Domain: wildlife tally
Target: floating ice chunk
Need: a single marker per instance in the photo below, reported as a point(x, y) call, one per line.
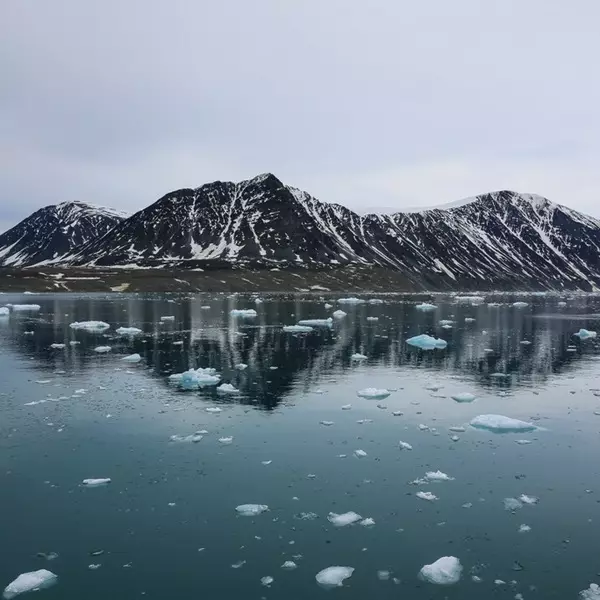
point(525, 529)
point(289, 565)
point(193, 379)
point(226, 440)
point(334, 576)
point(357, 356)
point(96, 482)
point(499, 375)
point(360, 453)
point(501, 424)
point(525, 499)
point(375, 301)
point(339, 314)
point(425, 307)
point(584, 334)
point(520, 304)
point(561, 304)
point(102, 349)
point(193, 438)
point(26, 307)
point(241, 366)
point(525, 343)
point(423, 427)
point(30, 582)
point(266, 462)
point(469, 299)
point(251, 510)
point(351, 300)
point(433, 387)
point(213, 409)
point(592, 593)
point(92, 326)
point(167, 318)
point(444, 322)
point(326, 423)
point(128, 331)
point(227, 388)
point(258, 300)
point(404, 446)
point(267, 580)
point(328, 306)
point(426, 342)
point(74, 343)
point(469, 320)
point(373, 393)
point(344, 519)
point(372, 319)
point(4, 311)
point(444, 571)
point(316, 322)
point(426, 496)
point(245, 313)
point(457, 429)
point(132, 358)
point(57, 346)
point(437, 476)
point(347, 407)
point(368, 522)
point(512, 504)
point(397, 413)
point(297, 329)
point(523, 442)
point(463, 397)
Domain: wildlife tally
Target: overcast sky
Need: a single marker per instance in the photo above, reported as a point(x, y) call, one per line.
point(376, 104)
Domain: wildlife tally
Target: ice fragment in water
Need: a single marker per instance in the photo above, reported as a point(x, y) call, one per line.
point(241, 366)
point(351, 301)
point(584, 334)
point(512, 504)
point(524, 528)
point(227, 388)
point(404, 446)
point(525, 499)
point(57, 346)
point(289, 565)
point(457, 429)
point(194, 438)
point(328, 306)
point(425, 307)
point(326, 423)
point(426, 496)
point(30, 582)
point(316, 322)
point(213, 409)
point(132, 358)
point(372, 319)
point(102, 349)
point(360, 453)
point(245, 313)
point(520, 304)
point(251, 510)
point(501, 424)
point(92, 326)
point(373, 393)
point(167, 318)
point(426, 342)
point(128, 331)
point(444, 571)
point(463, 397)
point(347, 407)
point(26, 307)
point(266, 462)
point(358, 356)
point(375, 301)
point(423, 427)
point(226, 440)
point(437, 476)
point(297, 329)
point(4, 311)
point(334, 576)
point(268, 580)
point(368, 522)
point(469, 320)
point(343, 519)
point(96, 482)
point(194, 379)
point(525, 343)
point(592, 593)
point(339, 314)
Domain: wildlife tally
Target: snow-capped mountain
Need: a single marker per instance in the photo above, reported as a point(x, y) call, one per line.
point(51, 233)
point(497, 240)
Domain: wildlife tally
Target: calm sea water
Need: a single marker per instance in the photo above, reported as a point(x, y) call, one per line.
point(166, 526)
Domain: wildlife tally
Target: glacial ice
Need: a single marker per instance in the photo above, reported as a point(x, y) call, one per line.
point(29, 582)
point(360, 453)
point(297, 329)
point(167, 318)
point(334, 576)
point(444, 571)
point(426, 496)
point(501, 424)
point(426, 342)
point(592, 593)
point(339, 314)
point(404, 446)
point(96, 482)
point(26, 307)
point(525, 499)
point(102, 349)
point(192, 438)
point(357, 356)
point(195, 378)
point(520, 304)
point(57, 346)
point(251, 510)
point(91, 326)
point(245, 313)
point(128, 331)
point(425, 307)
point(368, 522)
point(227, 388)
point(373, 393)
point(351, 300)
point(4, 311)
point(341, 520)
point(375, 301)
point(267, 580)
point(226, 441)
point(437, 476)
point(512, 504)
point(289, 565)
point(241, 366)
point(132, 358)
point(584, 334)
point(316, 322)
point(463, 397)
point(524, 528)
point(213, 409)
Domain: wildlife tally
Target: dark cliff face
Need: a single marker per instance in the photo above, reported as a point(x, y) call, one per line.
point(504, 238)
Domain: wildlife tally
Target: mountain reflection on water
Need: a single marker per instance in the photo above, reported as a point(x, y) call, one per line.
point(528, 345)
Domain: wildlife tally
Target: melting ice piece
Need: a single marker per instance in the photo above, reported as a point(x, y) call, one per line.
point(358, 357)
point(360, 453)
point(469, 320)
point(463, 397)
point(334, 576)
point(328, 306)
point(241, 366)
point(343, 519)
point(96, 482)
point(339, 314)
point(326, 423)
point(444, 571)
point(316, 322)
point(128, 331)
point(404, 446)
point(29, 582)
point(426, 496)
point(368, 522)
point(57, 346)
point(26, 307)
point(92, 326)
point(520, 304)
point(426, 342)
point(437, 476)
point(245, 313)
point(167, 318)
point(375, 301)
point(584, 334)
point(102, 349)
point(226, 440)
point(132, 358)
point(251, 510)
point(4, 311)
point(289, 565)
point(524, 528)
point(373, 393)
point(227, 388)
point(592, 593)
point(267, 580)
point(194, 438)
point(425, 307)
point(193, 379)
point(525, 499)
point(351, 300)
point(297, 329)
point(501, 424)
point(512, 504)
point(213, 409)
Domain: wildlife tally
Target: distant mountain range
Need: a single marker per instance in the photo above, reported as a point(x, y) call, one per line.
point(502, 239)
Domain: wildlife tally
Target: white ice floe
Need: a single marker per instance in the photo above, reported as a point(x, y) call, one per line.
point(444, 571)
point(92, 326)
point(213, 409)
point(245, 313)
point(341, 520)
point(196, 378)
point(592, 593)
point(360, 453)
point(226, 440)
point(192, 438)
point(404, 446)
point(327, 423)
point(357, 356)
point(351, 300)
point(585, 334)
point(57, 346)
point(334, 576)
point(373, 393)
point(426, 342)
point(289, 565)
point(463, 397)
point(423, 427)
point(457, 429)
point(96, 482)
point(132, 358)
point(368, 522)
point(525, 343)
point(251, 510)
point(425, 307)
point(469, 320)
point(524, 528)
point(437, 476)
point(227, 388)
point(339, 314)
point(520, 304)
point(26, 307)
point(328, 306)
point(347, 407)
point(523, 442)
point(426, 496)
point(102, 349)
point(297, 329)
point(372, 319)
point(501, 424)
point(29, 582)
point(512, 504)
point(128, 331)
point(266, 581)
point(4, 311)
point(375, 301)
point(316, 322)
point(167, 318)
point(241, 366)
point(525, 499)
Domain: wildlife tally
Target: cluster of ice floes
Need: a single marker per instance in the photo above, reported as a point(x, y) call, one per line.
point(592, 593)
point(195, 378)
point(426, 342)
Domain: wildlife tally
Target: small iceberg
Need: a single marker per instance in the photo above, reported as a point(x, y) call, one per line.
point(358, 357)
point(132, 358)
point(316, 322)
point(525, 499)
point(524, 529)
point(96, 482)
point(226, 441)
point(375, 301)
point(592, 593)
point(351, 301)
point(241, 366)
point(227, 388)
point(194, 379)
point(404, 446)
point(584, 334)
point(463, 397)
point(193, 438)
point(520, 304)
point(501, 424)
point(102, 349)
point(444, 571)
point(425, 307)
point(372, 319)
point(437, 476)
point(4, 311)
point(426, 342)
point(245, 313)
point(30, 582)
point(267, 580)
point(289, 565)
point(426, 496)
point(332, 577)
point(251, 510)
point(512, 504)
point(368, 522)
point(373, 393)
point(343, 519)
point(128, 331)
point(26, 307)
point(213, 409)
point(360, 453)
point(91, 326)
point(57, 346)
point(339, 314)
point(297, 329)
point(166, 318)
